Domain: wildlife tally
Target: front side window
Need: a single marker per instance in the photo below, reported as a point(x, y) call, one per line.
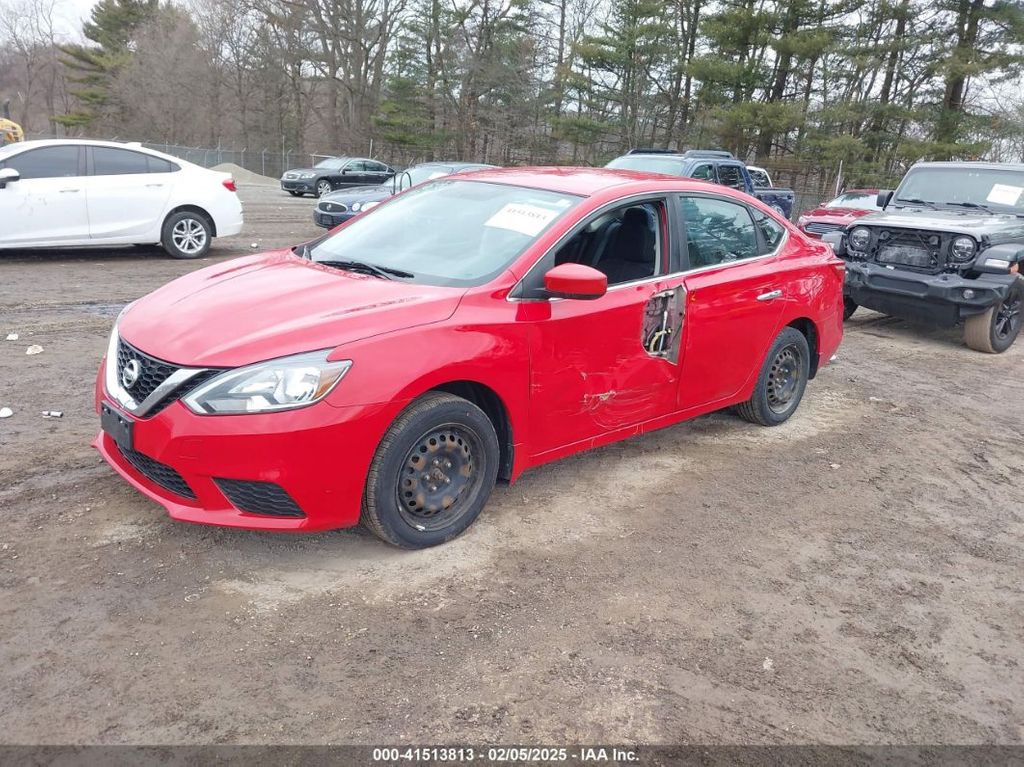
point(47, 162)
point(731, 176)
point(447, 232)
point(705, 172)
point(357, 166)
point(624, 244)
point(717, 231)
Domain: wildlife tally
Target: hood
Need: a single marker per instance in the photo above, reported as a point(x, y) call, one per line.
point(362, 194)
point(999, 227)
point(272, 305)
point(302, 170)
point(836, 215)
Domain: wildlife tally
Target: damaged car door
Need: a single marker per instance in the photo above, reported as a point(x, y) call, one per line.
point(600, 365)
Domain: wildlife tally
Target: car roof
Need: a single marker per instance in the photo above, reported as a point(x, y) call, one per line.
point(586, 182)
point(972, 164)
point(36, 143)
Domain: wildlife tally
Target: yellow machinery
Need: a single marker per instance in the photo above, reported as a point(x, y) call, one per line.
point(10, 131)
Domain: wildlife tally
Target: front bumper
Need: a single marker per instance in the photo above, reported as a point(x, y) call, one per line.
point(331, 220)
point(318, 455)
point(298, 185)
point(933, 298)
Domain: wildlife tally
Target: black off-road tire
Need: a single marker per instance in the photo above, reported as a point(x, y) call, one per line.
point(187, 234)
point(849, 307)
point(995, 330)
point(781, 383)
point(439, 441)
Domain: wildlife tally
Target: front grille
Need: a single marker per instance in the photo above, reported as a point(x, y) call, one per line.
point(821, 227)
point(259, 497)
point(158, 473)
point(333, 207)
point(152, 372)
point(179, 392)
point(908, 247)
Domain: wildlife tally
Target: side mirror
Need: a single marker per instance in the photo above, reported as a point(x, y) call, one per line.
point(883, 198)
point(8, 176)
point(835, 239)
point(575, 281)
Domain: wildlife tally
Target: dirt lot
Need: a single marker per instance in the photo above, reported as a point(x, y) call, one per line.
point(854, 576)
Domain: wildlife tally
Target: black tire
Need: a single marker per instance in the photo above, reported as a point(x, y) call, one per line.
point(323, 186)
point(781, 383)
point(438, 446)
point(995, 330)
point(294, 194)
point(187, 234)
point(849, 307)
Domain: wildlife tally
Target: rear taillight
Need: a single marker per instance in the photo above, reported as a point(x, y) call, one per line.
point(229, 184)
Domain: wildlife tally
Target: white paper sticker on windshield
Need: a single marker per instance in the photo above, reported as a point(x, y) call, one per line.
point(521, 217)
point(1004, 194)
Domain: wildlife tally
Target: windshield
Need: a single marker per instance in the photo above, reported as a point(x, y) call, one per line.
point(672, 166)
point(856, 200)
point(333, 163)
point(965, 186)
point(421, 173)
point(448, 232)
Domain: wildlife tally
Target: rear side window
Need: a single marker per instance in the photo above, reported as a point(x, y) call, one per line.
point(730, 175)
point(771, 230)
point(122, 162)
point(47, 162)
point(717, 231)
point(377, 167)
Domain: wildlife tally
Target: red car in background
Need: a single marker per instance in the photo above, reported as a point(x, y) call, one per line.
point(462, 332)
point(836, 214)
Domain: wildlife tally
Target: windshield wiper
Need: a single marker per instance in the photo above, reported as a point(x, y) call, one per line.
point(915, 201)
point(384, 272)
point(977, 205)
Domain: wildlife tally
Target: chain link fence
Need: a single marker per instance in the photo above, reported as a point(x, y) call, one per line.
point(271, 163)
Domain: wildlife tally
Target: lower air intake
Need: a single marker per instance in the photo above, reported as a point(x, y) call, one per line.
point(259, 498)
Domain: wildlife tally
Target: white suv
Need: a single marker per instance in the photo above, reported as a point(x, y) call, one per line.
point(72, 193)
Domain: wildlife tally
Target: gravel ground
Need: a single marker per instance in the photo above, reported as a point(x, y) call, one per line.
point(851, 577)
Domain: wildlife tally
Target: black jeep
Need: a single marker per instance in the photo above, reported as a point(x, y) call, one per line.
point(946, 248)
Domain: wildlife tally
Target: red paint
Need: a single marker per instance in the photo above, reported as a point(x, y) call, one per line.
point(571, 374)
point(840, 217)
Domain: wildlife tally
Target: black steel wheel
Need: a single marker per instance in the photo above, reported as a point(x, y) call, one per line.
point(782, 381)
point(432, 472)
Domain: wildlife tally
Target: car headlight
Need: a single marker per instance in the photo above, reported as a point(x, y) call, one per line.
point(306, 175)
point(356, 207)
point(282, 384)
point(860, 238)
point(963, 248)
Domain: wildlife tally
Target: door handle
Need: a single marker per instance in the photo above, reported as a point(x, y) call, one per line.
point(771, 296)
point(68, 191)
point(154, 186)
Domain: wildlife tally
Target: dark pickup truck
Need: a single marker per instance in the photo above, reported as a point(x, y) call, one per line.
point(946, 248)
point(713, 165)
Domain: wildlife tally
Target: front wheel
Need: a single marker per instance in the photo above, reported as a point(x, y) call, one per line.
point(782, 381)
point(323, 187)
point(994, 330)
point(432, 473)
point(186, 234)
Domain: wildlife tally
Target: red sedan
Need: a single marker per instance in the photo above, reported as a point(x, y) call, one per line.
point(460, 333)
point(837, 214)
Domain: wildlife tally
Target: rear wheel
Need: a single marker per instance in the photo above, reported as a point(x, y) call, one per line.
point(782, 381)
point(995, 330)
point(186, 234)
point(432, 473)
point(849, 307)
